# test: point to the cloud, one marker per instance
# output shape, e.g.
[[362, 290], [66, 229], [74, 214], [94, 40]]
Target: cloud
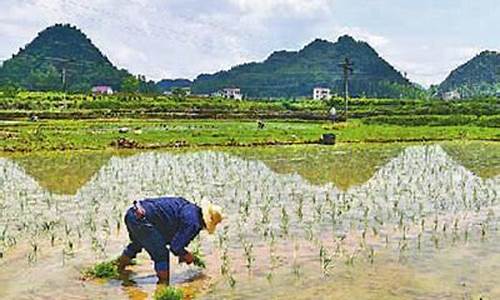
[[183, 38], [175, 38], [266, 7], [373, 39]]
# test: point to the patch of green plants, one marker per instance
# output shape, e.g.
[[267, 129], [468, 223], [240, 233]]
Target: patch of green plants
[[168, 293], [54, 105], [435, 120], [104, 270]]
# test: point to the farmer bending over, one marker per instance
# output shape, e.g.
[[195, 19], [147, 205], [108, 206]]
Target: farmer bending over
[[153, 224]]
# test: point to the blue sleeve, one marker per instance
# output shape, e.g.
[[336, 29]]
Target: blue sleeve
[[187, 231]]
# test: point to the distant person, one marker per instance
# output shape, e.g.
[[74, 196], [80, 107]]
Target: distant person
[[333, 114], [153, 224], [261, 124]]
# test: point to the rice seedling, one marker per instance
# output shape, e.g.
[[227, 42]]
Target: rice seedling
[[249, 258], [103, 270], [419, 198], [371, 255], [326, 260], [199, 259], [285, 219], [168, 293], [33, 254]]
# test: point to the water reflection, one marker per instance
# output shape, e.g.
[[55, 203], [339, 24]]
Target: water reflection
[[344, 166], [415, 186]]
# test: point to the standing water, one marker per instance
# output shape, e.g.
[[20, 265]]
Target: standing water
[[349, 222]]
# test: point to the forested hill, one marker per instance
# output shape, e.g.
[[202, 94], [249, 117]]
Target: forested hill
[[478, 77], [58, 49], [169, 84], [296, 73]]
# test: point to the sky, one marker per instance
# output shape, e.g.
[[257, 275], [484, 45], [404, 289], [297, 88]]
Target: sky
[[425, 39]]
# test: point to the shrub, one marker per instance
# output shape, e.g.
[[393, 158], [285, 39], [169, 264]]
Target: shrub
[[489, 121]]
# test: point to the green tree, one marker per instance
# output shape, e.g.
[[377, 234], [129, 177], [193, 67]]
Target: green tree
[[179, 92], [130, 84], [56, 50], [10, 90]]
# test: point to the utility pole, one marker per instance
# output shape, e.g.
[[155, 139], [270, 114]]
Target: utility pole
[[64, 79], [63, 62], [347, 67]]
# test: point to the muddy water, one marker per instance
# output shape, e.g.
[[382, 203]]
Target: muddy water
[[395, 221]]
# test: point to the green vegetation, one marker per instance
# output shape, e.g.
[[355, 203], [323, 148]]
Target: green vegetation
[[62, 106], [149, 134], [59, 105], [199, 259], [357, 132], [40, 65], [102, 134], [62, 57], [478, 77], [77, 122], [170, 84], [295, 74], [168, 293], [436, 120], [104, 270]]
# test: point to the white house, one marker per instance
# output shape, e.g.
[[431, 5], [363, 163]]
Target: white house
[[102, 90], [321, 93], [216, 94], [232, 93], [186, 91], [452, 95]]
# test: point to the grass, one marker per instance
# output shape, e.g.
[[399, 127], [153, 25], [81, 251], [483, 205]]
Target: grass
[[100, 134], [356, 131], [168, 293]]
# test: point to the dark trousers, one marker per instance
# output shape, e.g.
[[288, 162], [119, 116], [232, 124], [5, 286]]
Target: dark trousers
[[144, 235]]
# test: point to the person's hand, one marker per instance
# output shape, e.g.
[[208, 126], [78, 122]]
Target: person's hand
[[188, 258]]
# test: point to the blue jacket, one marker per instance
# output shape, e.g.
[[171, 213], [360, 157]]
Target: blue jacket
[[178, 220]]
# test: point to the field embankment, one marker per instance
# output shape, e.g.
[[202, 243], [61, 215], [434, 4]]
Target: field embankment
[[67, 122], [150, 134]]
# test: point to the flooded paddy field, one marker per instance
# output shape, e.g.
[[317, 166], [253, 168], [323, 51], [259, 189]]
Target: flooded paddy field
[[391, 221]]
